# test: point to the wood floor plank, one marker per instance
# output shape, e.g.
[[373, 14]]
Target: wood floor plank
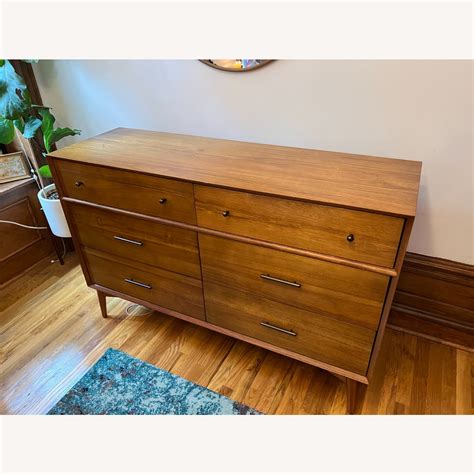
[[464, 384], [202, 355], [405, 372], [265, 388], [378, 382], [418, 398], [52, 332], [238, 370], [296, 391]]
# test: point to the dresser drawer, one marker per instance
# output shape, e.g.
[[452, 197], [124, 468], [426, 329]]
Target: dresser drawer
[[154, 285], [163, 246], [337, 343], [135, 192], [330, 289], [356, 235]]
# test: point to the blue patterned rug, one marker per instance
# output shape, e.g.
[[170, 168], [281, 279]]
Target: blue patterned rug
[[122, 385]]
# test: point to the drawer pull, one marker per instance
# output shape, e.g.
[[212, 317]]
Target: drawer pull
[[295, 284], [129, 241], [226, 213], [162, 200], [142, 285], [350, 238], [79, 183], [276, 328]]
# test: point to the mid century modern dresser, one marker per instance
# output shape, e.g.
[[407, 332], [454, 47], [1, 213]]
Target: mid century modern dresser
[[294, 250]]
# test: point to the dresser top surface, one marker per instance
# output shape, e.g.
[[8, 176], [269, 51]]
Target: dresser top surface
[[356, 181]]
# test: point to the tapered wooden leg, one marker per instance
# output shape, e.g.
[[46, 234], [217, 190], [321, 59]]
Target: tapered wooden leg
[[102, 303], [355, 396]]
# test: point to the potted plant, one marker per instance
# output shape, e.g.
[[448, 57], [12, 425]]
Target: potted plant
[[36, 124]]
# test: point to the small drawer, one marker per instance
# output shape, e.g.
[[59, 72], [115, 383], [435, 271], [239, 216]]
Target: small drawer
[[135, 192], [338, 291], [154, 285], [356, 235], [163, 246], [334, 342]]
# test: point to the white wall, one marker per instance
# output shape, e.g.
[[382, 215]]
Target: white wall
[[418, 110]]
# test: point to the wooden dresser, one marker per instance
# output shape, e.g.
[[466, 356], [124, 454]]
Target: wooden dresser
[[297, 251], [20, 247]]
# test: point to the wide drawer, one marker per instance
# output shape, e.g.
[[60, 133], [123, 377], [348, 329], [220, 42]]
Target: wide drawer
[[148, 242], [338, 291], [135, 192], [334, 342], [356, 235], [154, 285]]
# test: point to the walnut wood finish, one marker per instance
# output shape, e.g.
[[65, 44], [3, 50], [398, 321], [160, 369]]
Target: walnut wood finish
[[20, 248], [435, 298], [339, 372], [166, 247], [345, 293], [355, 396], [166, 198], [365, 182], [440, 289], [362, 236], [334, 342], [66, 201], [148, 283], [44, 353], [330, 207], [102, 303]]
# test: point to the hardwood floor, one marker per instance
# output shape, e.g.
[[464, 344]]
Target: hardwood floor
[[51, 332]]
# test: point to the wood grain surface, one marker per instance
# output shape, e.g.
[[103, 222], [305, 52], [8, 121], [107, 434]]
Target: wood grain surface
[[160, 197], [166, 288], [44, 353], [356, 181], [303, 225], [345, 293], [325, 339], [163, 246]]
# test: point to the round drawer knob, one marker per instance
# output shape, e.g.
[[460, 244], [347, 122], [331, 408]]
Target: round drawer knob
[[79, 183], [162, 200], [226, 213], [350, 238]]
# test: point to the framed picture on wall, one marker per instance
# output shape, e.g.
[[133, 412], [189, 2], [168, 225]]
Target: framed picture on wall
[[13, 166]]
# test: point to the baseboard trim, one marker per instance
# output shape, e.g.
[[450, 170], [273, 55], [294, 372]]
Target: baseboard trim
[[435, 300]]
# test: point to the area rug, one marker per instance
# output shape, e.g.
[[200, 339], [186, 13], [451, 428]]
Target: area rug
[[122, 385]]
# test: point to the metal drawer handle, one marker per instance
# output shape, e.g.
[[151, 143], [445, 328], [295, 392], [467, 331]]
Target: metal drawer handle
[[276, 328], [162, 200], [226, 213], [295, 284], [129, 241], [142, 285], [79, 183]]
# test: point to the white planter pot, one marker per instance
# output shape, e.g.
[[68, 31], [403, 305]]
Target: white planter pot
[[54, 213]]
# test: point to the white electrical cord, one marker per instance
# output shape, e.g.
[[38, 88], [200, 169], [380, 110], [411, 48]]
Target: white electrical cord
[[22, 225], [133, 306], [34, 227]]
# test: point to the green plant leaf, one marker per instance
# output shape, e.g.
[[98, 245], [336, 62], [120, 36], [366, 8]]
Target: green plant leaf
[[7, 131], [14, 97], [32, 124], [2, 62], [47, 126], [50, 134], [60, 133], [19, 124], [45, 171]]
